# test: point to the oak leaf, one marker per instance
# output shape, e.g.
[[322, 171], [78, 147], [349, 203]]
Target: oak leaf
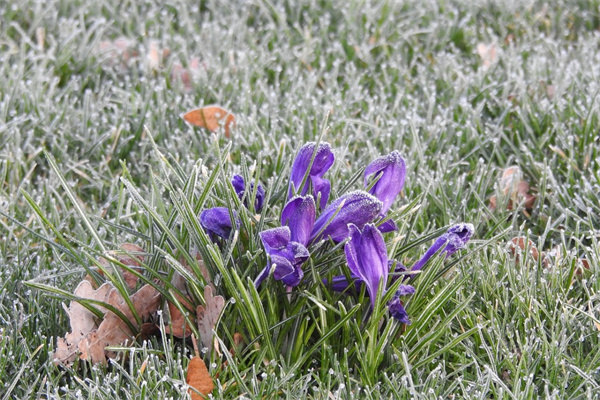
[[130, 255], [211, 118], [82, 321], [113, 330], [208, 316]]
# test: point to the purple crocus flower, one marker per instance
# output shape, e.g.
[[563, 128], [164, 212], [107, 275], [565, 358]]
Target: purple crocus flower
[[391, 171], [455, 238], [322, 162], [240, 189], [358, 208], [367, 258], [285, 254], [299, 215], [216, 222]]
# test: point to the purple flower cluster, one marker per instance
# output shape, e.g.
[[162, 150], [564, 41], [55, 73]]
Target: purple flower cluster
[[342, 218], [360, 217]]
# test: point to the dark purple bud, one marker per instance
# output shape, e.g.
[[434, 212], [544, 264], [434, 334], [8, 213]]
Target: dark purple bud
[[285, 255], [216, 222], [396, 309], [454, 239], [358, 208], [240, 189], [391, 171], [322, 162], [367, 258], [299, 215]]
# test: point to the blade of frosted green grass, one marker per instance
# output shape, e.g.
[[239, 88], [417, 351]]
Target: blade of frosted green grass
[[158, 220], [18, 375], [334, 329], [74, 201]]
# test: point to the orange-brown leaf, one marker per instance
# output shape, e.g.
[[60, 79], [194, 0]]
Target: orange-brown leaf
[[199, 378], [178, 325], [211, 118]]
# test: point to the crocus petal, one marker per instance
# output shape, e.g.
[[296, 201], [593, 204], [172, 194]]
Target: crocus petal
[[358, 208], [397, 311], [367, 257], [299, 215], [286, 255], [458, 236], [404, 290], [321, 187], [455, 238], [216, 221], [275, 238], [240, 189], [340, 283], [323, 160], [392, 172], [388, 226], [239, 185]]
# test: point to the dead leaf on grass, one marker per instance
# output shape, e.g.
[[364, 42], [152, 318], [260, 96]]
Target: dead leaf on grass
[[519, 244], [89, 343], [514, 189], [488, 54], [130, 255], [82, 320], [211, 118], [198, 376], [208, 316], [178, 325]]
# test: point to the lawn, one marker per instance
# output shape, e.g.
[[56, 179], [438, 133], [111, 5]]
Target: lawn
[[476, 96]]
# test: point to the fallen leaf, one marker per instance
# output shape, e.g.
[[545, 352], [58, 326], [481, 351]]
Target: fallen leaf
[[514, 188], [130, 255], [82, 321], [211, 118], [488, 54], [178, 326], [519, 244], [208, 316], [198, 378], [113, 330]]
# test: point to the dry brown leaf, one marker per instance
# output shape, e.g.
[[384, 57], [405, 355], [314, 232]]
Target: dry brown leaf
[[120, 50], [113, 330], [199, 378], [488, 54], [211, 118], [133, 261], [518, 244], [208, 316], [514, 188], [178, 325], [82, 320]]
